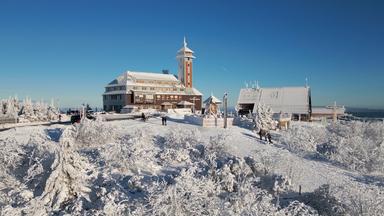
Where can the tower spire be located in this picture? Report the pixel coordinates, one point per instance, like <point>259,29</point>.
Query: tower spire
<point>185,57</point>
<point>185,42</point>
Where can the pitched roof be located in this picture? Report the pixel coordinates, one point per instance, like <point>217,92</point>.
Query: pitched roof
<point>283,99</point>
<point>151,76</point>
<point>212,99</point>
<point>128,76</point>
<point>184,103</point>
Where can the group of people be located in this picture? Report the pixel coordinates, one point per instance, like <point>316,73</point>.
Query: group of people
<point>266,134</point>
<point>163,118</point>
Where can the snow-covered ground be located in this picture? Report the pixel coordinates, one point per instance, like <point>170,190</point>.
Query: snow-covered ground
<point>132,167</point>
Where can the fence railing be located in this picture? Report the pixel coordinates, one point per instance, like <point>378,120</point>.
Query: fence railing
<point>8,119</point>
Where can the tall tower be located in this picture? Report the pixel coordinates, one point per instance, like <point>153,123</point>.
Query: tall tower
<point>184,57</point>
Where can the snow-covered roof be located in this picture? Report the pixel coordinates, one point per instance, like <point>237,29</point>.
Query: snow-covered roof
<point>328,110</point>
<point>129,77</point>
<point>117,92</point>
<point>284,99</point>
<point>192,91</point>
<point>166,103</point>
<point>212,99</point>
<point>152,76</point>
<point>184,103</point>
<point>185,50</point>
<point>130,107</point>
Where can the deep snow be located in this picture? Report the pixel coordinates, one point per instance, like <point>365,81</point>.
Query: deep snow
<point>132,167</point>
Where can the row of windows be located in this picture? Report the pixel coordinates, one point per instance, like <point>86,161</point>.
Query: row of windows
<point>168,97</point>
<point>157,89</point>
<point>113,97</point>
<point>156,82</point>
<point>115,88</point>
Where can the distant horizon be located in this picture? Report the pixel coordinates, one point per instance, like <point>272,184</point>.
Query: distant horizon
<point>71,50</point>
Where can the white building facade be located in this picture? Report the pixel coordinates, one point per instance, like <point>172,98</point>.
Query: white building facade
<point>292,100</point>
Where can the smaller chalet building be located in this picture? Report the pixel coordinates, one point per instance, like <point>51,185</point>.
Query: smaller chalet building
<point>146,90</point>
<point>292,100</point>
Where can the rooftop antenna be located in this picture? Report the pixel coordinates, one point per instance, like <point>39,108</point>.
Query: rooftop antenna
<point>257,85</point>
<point>306,82</point>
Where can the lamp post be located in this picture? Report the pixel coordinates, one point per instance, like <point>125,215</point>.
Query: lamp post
<point>193,108</point>
<point>225,99</point>
<point>334,112</point>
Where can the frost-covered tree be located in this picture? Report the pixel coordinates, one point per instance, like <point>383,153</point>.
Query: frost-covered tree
<point>52,111</point>
<point>27,111</point>
<point>2,110</point>
<point>40,110</point>
<point>68,180</point>
<point>11,107</point>
<point>263,117</point>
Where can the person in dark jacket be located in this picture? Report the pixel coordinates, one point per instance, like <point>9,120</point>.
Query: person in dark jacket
<point>164,120</point>
<point>265,133</point>
<point>143,116</point>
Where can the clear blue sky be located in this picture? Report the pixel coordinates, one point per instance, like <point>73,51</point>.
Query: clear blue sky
<point>70,49</point>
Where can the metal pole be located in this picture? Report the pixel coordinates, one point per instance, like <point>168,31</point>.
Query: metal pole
<point>334,113</point>
<point>225,99</point>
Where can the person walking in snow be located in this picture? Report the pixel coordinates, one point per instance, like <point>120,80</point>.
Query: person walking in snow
<point>265,133</point>
<point>143,116</point>
<point>164,120</point>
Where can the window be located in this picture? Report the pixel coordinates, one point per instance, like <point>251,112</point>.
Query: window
<point>152,88</point>
<point>143,88</point>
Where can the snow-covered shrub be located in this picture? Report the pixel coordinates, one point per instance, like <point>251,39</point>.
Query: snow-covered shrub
<point>177,145</point>
<point>324,201</point>
<point>94,133</point>
<point>303,138</point>
<point>217,144</point>
<point>362,201</point>
<point>132,153</point>
<point>266,160</point>
<point>189,195</point>
<point>298,208</point>
<point>249,200</point>
<point>356,145</point>
<point>360,145</point>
